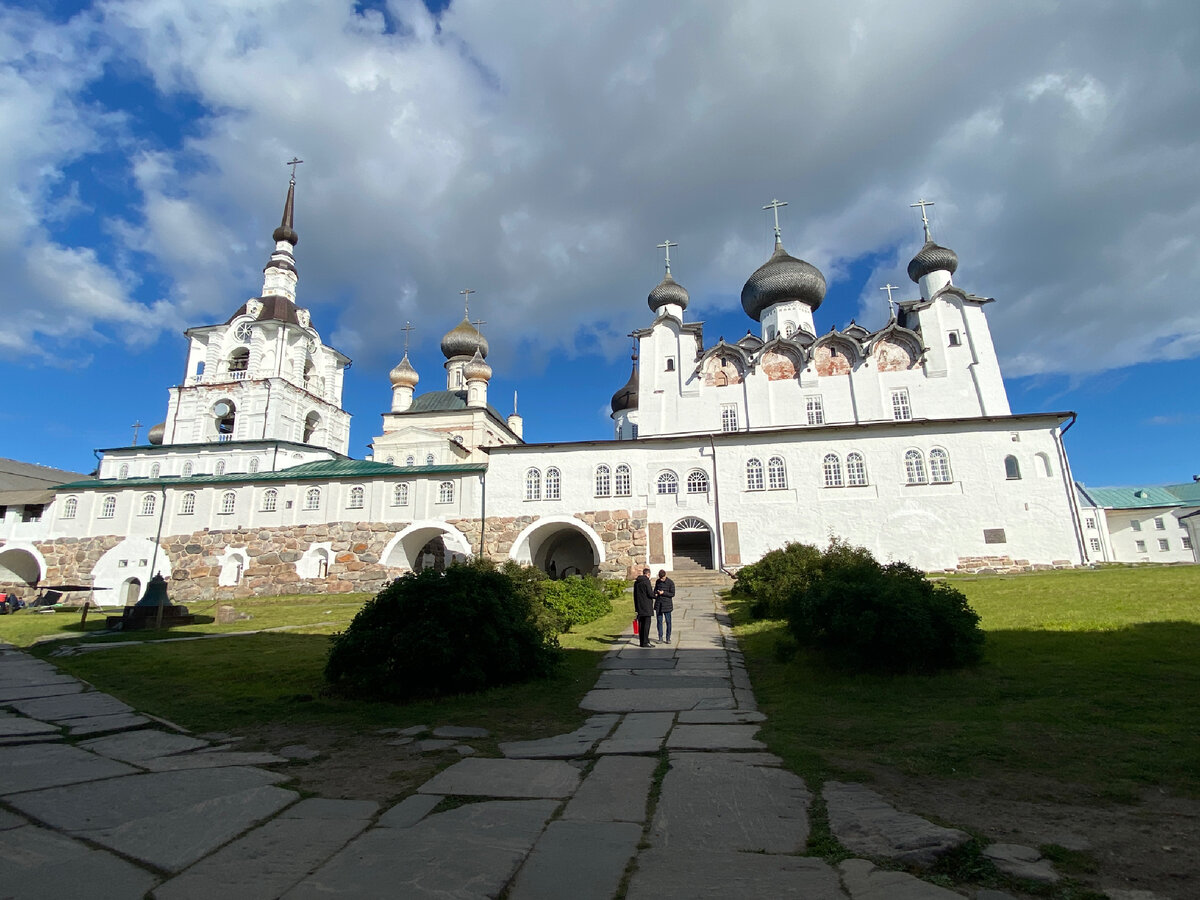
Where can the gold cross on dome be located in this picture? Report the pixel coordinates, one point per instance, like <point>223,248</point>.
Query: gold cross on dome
<point>924,218</point>
<point>776,205</point>
<point>667,245</point>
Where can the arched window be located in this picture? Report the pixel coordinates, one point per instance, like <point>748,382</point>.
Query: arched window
<point>697,482</point>
<point>914,467</point>
<point>789,328</point>
<point>446,492</point>
<point>270,500</point>
<point>357,493</point>
<point>239,360</point>
<point>391,460</point>
<point>622,482</point>
<point>668,483</point>
<point>603,481</point>
<point>311,421</point>
<point>312,498</point>
<point>533,484</point>
<point>754,475</point>
<point>833,470</point>
<point>553,484</point>
<point>220,469</point>
<point>856,470</point>
<point>187,504</point>
<point>776,474</point>
<point>187,470</point>
<point>149,503</point>
<point>228,500</point>
<point>429,459</point>
<point>226,415</point>
<point>939,465</point>
<point>155,470</point>
<point>70,508</point>
<point>124,471</point>
<point>410,460</point>
<point>109,508</point>
<point>253,464</point>
<point>1012,468</point>
<point>1044,464</point>
<point>400,494</point>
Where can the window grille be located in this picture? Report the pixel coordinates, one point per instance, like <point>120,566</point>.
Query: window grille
<point>149,503</point>
<point>833,470</point>
<point>754,475</point>
<point>270,500</point>
<point>312,498</point>
<point>400,495</point>
<point>914,467</point>
<point>603,481</point>
<point>109,509</point>
<point>856,470</point>
<point>900,406</point>
<point>622,482</point>
<point>697,482</point>
<point>228,499</point>
<point>553,484</point>
<point>446,492</point>
<point>816,410</point>
<point>533,484</point>
<point>939,465</point>
<point>668,483</point>
<point>357,495</point>
<point>187,504</point>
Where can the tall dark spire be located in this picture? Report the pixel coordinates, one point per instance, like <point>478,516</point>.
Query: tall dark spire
<point>286,231</point>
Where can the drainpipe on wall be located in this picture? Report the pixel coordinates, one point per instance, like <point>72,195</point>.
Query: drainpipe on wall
<point>482,509</point>
<point>717,507</point>
<point>1072,496</point>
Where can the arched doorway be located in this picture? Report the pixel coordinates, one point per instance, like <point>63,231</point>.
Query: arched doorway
<point>21,565</point>
<point>691,545</point>
<point>131,591</point>
<point>559,546</point>
<point>426,544</point>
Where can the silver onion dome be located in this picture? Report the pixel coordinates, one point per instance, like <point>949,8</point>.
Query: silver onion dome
<point>464,340</point>
<point>932,258</point>
<point>477,369</point>
<point>668,291</point>
<point>155,435</point>
<point>627,397</point>
<point>404,374</point>
<point>780,279</point>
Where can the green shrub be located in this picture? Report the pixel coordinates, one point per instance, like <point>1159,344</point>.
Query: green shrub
<point>581,599</point>
<point>768,584</point>
<point>432,634</point>
<point>872,617</point>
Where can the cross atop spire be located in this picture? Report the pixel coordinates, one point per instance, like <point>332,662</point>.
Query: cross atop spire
<point>293,162</point>
<point>667,245</point>
<point>889,288</point>
<point>408,326</point>
<point>776,205</point>
<point>466,292</point>
<point>136,426</point>
<point>924,218</point>
<point>477,323</point>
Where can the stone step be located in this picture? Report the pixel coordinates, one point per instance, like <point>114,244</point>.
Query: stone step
<point>701,578</point>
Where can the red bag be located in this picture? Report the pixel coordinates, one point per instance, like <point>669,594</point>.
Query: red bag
<point>635,628</point>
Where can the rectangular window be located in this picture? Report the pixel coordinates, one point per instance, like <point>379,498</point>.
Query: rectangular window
<point>1141,546</point>
<point>670,364</point>
<point>1090,522</point>
<point>1164,544</point>
<point>1187,543</point>
<point>1095,542</point>
<point>954,338</point>
<point>1135,524</point>
<point>1159,524</point>
<point>816,409</point>
<point>900,406</point>
<point>729,417</point>
<point>32,513</point>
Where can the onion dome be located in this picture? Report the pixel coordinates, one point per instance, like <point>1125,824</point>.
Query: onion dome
<point>627,397</point>
<point>464,340</point>
<point>782,279</point>
<point>285,231</point>
<point>404,375</point>
<point>155,434</point>
<point>932,258</point>
<point>477,369</point>
<point>668,291</point>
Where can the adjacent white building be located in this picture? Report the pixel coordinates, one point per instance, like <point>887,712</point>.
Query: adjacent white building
<point>1141,524</point>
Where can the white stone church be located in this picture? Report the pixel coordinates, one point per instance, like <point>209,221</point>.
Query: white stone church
<point>900,440</point>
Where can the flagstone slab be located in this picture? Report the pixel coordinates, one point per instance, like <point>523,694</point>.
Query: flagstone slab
<point>272,858</point>
<point>664,700</point>
<point>459,731</point>
<point>621,662</point>
<point>865,881</point>
<point>10,820</point>
<point>639,733</point>
<point>656,682</point>
<point>716,801</point>
<point>53,765</point>
<point>589,856</point>
<point>409,811</point>
<point>865,823</point>
<point>469,851</point>
<point>616,790</point>
<point>34,691</point>
<point>87,704</point>
<point>474,777</point>
<point>37,863</point>
<point>714,737</point>
<point>721,717</point>
<point>167,819</point>
<point>136,746</point>
<point>719,875</point>
<point>563,746</point>
<point>19,726</point>
<point>210,761</point>
<point>101,724</point>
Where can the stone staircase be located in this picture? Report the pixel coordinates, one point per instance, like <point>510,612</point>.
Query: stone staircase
<point>701,578</point>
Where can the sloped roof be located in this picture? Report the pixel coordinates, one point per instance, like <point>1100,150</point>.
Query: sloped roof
<point>1133,497</point>
<point>28,483</point>
<point>1189,491</point>
<point>445,401</point>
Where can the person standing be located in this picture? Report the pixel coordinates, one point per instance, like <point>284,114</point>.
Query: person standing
<point>643,606</point>
<point>664,602</point>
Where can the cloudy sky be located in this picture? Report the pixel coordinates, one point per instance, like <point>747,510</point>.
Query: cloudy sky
<point>538,150</point>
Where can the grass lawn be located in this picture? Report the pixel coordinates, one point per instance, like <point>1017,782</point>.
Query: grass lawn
<point>1089,678</point>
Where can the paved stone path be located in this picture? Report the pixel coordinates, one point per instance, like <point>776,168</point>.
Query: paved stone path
<point>591,814</point>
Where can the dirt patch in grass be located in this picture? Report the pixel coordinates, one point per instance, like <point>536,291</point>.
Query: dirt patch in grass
<point>1148,844</point>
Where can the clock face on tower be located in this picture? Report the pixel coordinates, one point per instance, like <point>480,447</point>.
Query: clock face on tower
<point>243,332</point>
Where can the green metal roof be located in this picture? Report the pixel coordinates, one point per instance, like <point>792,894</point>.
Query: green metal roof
<point>1134,497</point>
<point>444,401</point>
<point>322,470</point>
<point>1189,491</point>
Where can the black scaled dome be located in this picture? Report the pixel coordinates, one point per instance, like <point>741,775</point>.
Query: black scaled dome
<point>668,291</point>
<point>932,258</point>
<point>781,279</point>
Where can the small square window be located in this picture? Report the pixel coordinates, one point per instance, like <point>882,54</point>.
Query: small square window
<point>122,563</point>
<point>1135,524</point>
<point>1159,524</point>
<point>1095,542</point>
<point>954,339</point>
<point>1141,546</point>
<point>1090,522</point>
<point>1164,544</point>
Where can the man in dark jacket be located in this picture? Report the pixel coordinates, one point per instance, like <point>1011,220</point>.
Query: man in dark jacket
<point>664,602</point>
<point>643,605</point>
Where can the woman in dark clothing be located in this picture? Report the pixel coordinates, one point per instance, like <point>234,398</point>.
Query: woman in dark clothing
<point>664,602</point>
<point>643,605</point>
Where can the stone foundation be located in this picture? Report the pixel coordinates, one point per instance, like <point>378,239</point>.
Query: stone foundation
<point>1004,565</point>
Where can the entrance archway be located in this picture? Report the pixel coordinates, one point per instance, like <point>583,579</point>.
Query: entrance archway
<point>559,546</point>
<point>423,544</point>
<point>22,565</point>
<point>691,545</point>
<point>131,591</point>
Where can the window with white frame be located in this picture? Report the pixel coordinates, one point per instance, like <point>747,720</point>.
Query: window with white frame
<point>939,466</point>
<point>400,494</point>
<point>1012,468</point>
<point>109,508</point>
<point>123,472</point>
<point>253,464</point>
<point>1140,545</point>
<point>1095,544</point>
<point>815,407</point>
<point>270,501</point>
<point>1090,522</point>
<point>856,470</point>
<point>1159,524</point>
<point>187,469</point>
<point>668,483</point>
<point>391,461</point>
<point>776,473</point>
<point>900,405</point>
<point>833,470</point>
<point>149,504</point>
<point>553,484</point>
<point>1135,524</point>
<point>446,492</point>
<point>410,460</point>
<point>70,508</point>
<point>228,501</point>
<point>533,484</point>
<point>1187,542</point>
<point>429,459</point>
<point>187,504</point>
<point>914,467</point>
<point>1163,544</point>
<point>312,498</point>
<point>622,481</point>
<point>155,470</point>
<point>357,496</point>
<point>220,469</point>
<point>603,481</point>
<point>729,417</point>
<point>697,482</point>
<point>754,475</point>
